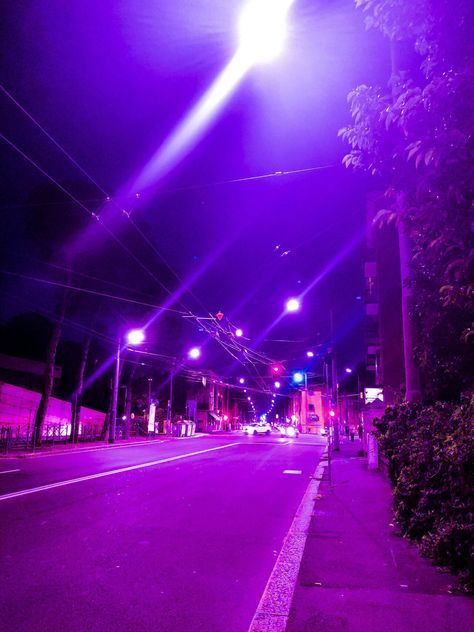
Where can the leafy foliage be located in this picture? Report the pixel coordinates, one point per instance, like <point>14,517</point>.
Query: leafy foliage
<point>419,133</point>
<point>430,451</point>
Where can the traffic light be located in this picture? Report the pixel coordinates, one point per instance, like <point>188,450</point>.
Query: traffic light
<point>298,377</point>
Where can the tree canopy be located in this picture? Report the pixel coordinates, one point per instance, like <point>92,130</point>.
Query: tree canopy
<point>418,134</point>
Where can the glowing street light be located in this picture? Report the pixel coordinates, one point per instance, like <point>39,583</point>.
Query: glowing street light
<point>194,353</point>
<point>298,377</point>
<point>310,354</point>
<point>348,370</point>
<point>262,29</point>
<point>241,380</point>
<point>239,333</point>
<point>293,305</point>
<point>277,384</point>
<point>135,336</point>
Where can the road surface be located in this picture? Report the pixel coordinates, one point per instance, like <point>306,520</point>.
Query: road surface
<point>169,536</point>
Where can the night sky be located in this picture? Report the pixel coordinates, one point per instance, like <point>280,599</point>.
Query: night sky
<point>109,81</point>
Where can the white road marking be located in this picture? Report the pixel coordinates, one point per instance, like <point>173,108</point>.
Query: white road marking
<point>274,607</point>
<point>292,471</point>
<point>130,468</point>
<point>8,471</point>
<point>97,448</point>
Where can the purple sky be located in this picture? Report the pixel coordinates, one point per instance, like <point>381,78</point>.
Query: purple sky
<point>109,81</point>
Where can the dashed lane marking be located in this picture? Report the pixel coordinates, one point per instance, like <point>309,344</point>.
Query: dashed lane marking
<point>9,471</point>
<point>130,468</point>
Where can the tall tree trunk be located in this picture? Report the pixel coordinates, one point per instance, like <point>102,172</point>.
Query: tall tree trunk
<point>77,396</point>
<point>49,371</point>
<point>402,61</point>
<point>106,424</point>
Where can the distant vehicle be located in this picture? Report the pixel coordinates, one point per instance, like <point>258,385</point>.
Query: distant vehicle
<point>287,430</point>
<point>324,432</point>
<point>255,429</point>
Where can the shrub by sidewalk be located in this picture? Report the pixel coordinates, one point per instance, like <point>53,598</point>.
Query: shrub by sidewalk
<point>430,451</point>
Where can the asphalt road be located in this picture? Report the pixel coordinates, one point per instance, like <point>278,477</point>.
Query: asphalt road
<point>185,541</point>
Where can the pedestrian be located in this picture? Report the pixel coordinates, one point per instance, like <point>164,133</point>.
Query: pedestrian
<point>346,428</point>
<point>360,430</point>
<point>352,434</point>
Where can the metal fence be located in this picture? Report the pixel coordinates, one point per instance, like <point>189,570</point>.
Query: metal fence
<point>23,437</point>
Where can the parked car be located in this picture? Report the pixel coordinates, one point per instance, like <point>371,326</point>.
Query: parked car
<point>287,430</point>
<point>257,428</point>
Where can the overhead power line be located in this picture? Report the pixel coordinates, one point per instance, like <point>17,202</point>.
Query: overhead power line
<point>94,292</point>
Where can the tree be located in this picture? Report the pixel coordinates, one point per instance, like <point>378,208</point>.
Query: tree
<point>48,234</point>
<point>78,393</point>
<point>419,135</point>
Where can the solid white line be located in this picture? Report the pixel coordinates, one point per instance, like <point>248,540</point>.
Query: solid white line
<point>130,468</point>
<point>8,471</point>
<point>85,450</point>
<point>292,471</point>
<point>274,607</point>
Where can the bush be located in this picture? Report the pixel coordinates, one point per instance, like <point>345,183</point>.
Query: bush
<point>430,451</point>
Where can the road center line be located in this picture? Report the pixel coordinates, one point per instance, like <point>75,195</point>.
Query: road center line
<point>130,468</point>
<point>292,471</point>
<point>8,471</point>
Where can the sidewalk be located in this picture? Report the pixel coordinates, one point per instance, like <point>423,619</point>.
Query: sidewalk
<point>358,574</point>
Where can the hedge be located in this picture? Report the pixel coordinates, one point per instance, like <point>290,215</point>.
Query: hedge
<point>430,452</point>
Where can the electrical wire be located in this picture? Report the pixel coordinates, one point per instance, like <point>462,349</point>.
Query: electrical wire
<point>108,197</point>
<point>53,140</point>
<point>230,348</point>
<point>94,292</point>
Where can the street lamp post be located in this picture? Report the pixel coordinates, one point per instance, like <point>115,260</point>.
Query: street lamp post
<point>115,387</point>
<point>134,337</point>
<point>170,401</point>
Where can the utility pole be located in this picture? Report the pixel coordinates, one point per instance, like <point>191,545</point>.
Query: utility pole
<point>334,382</point>
<point>115,387</point>
<point>170,401</point>
<point>150,380</point>
<point>412,377</point>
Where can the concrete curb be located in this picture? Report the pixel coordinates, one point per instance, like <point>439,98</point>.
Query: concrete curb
<point>274,607</point>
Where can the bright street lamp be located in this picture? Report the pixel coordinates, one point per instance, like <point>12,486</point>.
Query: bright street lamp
<point>310,354</point>
<point>194,353</point>
<point>262,29</point>
<point>293,305</point>
<point>239,333</point>
<point>135,336</point>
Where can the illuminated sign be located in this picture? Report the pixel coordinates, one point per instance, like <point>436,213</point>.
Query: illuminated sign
<point>373,394</point>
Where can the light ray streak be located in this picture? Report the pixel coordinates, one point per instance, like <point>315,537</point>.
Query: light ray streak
<point>193,126</point>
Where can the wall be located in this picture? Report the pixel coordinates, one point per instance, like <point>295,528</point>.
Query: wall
<point>18,407</point>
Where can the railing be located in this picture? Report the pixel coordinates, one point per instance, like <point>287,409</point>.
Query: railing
<point>23,437</point>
